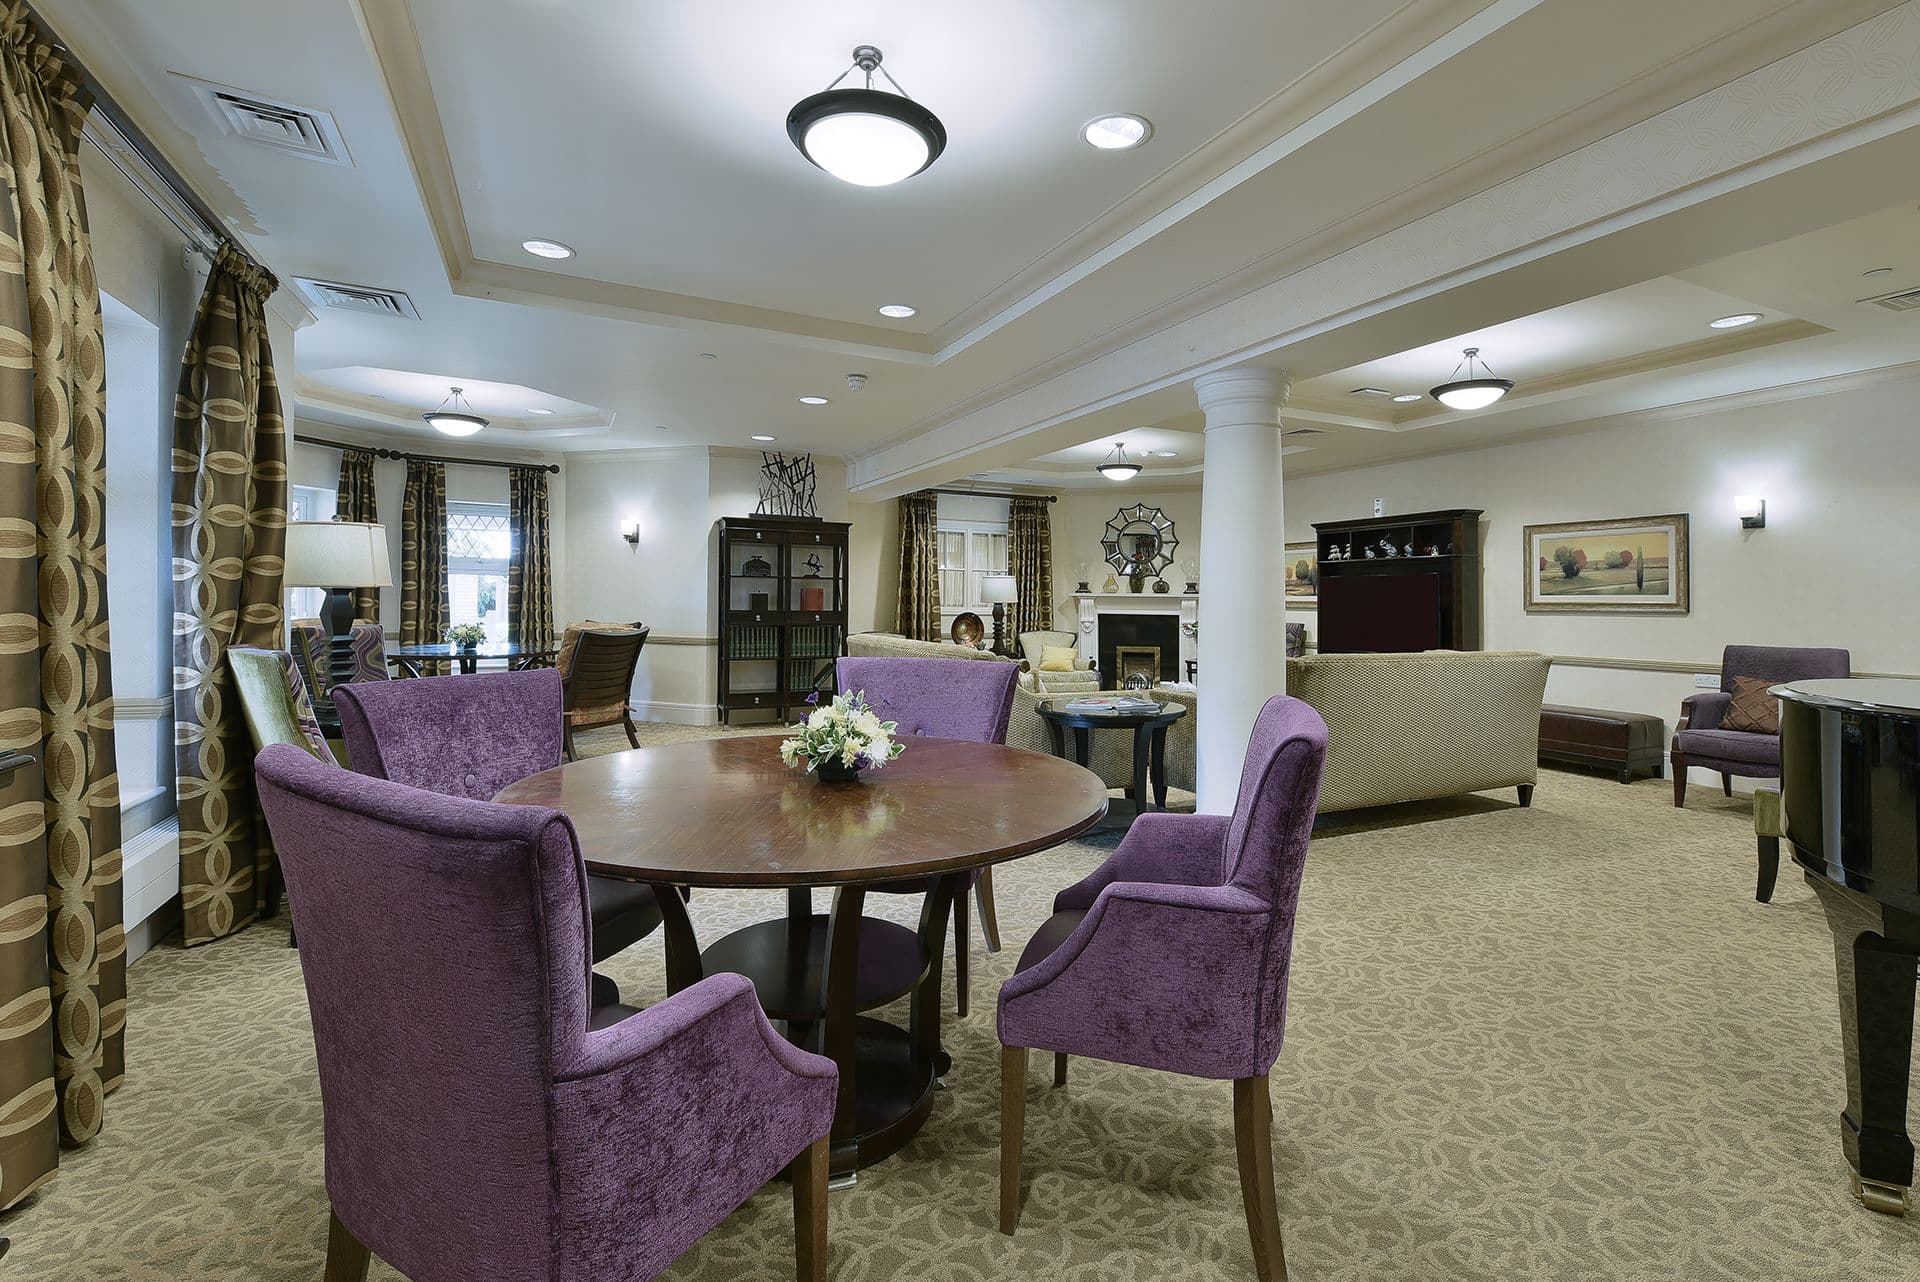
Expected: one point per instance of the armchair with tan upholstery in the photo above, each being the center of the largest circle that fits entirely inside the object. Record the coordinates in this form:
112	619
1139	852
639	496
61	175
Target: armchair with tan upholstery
597	662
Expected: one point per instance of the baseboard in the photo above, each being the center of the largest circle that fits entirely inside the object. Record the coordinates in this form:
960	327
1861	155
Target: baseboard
679	714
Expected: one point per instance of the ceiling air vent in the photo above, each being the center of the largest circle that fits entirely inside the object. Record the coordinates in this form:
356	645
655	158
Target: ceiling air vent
1304	431
1907	300
365	299
271	122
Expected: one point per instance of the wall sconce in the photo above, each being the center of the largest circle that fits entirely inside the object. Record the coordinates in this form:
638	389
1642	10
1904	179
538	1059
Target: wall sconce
1752	511
630	531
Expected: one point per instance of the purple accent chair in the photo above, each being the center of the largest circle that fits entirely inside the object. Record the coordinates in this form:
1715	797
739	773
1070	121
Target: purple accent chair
1174	955
946	700
481	1121
1699	741
471	736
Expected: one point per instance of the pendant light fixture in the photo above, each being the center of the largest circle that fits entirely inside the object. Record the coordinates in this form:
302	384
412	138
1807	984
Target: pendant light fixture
866	136
1116	466
1471	393
455	417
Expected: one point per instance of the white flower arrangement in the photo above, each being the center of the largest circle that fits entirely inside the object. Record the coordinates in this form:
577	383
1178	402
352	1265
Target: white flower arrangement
842	733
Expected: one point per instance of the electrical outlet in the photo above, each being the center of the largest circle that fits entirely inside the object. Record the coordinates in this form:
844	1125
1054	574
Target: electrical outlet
1379	507
1705	681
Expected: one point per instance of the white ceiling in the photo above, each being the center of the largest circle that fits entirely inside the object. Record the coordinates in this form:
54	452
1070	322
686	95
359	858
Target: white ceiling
651	137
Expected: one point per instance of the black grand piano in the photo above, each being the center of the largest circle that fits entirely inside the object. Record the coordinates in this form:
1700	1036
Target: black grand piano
1850	788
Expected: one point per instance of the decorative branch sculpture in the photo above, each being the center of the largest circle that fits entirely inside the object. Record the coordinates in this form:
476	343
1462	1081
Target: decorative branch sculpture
786	485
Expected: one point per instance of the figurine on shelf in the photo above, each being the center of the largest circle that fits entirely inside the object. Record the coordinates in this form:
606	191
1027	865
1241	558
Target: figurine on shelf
1192	567
756	568
1433	549
1084	587
1333	552
1371	554
1162	587
814	568
1409	551
1387	548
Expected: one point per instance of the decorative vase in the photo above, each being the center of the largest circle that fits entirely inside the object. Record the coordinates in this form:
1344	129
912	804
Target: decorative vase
468	647
835	772
1162	586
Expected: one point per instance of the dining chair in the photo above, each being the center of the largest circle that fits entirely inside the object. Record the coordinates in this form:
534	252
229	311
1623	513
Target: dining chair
471	736
596	662
368	641
480	1120
1174	955
946	700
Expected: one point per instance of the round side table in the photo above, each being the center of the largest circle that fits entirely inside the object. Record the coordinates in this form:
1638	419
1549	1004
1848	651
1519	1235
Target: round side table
1149	749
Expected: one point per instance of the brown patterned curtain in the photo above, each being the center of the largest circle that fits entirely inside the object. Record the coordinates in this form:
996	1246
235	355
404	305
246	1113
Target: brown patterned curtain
356	503
229	534
918	613
423	558
62	943
530	564
1030	558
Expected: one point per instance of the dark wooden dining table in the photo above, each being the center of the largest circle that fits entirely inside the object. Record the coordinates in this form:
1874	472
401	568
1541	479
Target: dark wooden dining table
726	813
411	658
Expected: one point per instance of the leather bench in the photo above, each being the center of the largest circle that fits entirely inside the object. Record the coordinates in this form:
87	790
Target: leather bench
1623	742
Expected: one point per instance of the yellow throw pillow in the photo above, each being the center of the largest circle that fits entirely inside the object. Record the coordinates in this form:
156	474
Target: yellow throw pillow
1057	658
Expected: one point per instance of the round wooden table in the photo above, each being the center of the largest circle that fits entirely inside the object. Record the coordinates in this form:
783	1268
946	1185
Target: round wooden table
726	813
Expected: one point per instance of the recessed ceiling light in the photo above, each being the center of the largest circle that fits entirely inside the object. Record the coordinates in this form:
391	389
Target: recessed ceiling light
547	248
543	412
813	400
1165	454
897	311
1122	131
1408	398
1734	321
763	438
1878	271
708	356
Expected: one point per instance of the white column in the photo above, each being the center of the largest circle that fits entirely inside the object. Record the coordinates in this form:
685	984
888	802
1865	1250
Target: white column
1243	615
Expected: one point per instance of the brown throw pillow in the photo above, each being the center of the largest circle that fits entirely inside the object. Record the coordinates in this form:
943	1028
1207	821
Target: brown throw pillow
1753	709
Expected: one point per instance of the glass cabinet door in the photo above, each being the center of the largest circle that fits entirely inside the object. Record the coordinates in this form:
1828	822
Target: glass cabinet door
753	575
814	574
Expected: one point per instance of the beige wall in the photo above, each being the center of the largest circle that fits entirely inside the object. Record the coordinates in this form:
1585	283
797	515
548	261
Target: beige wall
1080	520
1840	470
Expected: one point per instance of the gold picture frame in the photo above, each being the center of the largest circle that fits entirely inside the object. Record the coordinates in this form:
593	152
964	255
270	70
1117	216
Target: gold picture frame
1633	565
1302	590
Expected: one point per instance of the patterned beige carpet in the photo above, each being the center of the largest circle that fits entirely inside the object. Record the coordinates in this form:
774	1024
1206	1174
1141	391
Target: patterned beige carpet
1559	1043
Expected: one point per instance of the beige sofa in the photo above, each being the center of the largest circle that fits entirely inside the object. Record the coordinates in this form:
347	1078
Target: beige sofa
1400	727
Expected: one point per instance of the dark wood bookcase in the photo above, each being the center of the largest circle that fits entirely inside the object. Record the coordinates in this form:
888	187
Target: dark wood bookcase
782	612
1425	599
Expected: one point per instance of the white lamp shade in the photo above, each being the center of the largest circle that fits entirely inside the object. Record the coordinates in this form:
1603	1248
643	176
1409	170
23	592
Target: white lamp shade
337	554
1748	506
999	588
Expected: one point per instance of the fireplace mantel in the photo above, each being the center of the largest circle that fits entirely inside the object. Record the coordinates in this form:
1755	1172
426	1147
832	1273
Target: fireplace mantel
1094	604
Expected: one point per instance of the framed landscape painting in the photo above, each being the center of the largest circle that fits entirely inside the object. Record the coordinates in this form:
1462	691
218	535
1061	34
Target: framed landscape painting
1303	576
1636	565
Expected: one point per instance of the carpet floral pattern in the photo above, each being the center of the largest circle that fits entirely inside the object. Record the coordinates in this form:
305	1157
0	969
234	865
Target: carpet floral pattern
1559	1043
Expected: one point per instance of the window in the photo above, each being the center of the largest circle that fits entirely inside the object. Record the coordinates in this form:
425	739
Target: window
969	551
479	541
309	503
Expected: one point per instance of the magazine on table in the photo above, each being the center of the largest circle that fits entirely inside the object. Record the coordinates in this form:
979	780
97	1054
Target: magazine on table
1114	703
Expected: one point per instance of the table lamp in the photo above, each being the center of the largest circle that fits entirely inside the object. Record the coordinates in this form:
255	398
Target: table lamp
338	556
999	589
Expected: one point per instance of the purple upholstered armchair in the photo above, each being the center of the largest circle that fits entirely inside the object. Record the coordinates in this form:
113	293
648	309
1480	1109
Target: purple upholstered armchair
947	700
1699	739
471	736
1174	955
481	1121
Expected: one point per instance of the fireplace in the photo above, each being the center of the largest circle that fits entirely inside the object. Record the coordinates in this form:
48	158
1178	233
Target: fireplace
1158	630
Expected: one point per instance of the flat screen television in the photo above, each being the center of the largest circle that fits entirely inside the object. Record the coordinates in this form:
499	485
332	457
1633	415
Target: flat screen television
1379	613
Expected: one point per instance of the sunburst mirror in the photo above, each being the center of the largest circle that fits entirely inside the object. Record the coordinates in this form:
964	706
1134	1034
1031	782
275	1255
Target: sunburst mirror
1139	542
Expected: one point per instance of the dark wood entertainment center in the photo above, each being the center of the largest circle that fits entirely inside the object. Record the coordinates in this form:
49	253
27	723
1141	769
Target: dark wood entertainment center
1425	595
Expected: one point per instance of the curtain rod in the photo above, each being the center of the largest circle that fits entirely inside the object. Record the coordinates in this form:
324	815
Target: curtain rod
380	451
108	111
995	494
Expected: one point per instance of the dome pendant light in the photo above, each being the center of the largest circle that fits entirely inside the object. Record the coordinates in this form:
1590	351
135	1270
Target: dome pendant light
868	137
1116	466
451	419
1471	393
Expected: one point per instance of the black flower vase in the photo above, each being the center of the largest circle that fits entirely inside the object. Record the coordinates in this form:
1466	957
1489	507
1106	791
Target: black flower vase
835	771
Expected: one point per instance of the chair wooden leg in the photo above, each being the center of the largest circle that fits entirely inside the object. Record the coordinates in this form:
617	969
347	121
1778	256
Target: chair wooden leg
809	1172
632	738
1769	869
1013	1126
347	1259
1726	784
989	914
571	754
1059	1068
962	946
1679	764
1253	1140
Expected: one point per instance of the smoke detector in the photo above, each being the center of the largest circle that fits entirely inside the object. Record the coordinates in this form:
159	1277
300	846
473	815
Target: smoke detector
856	381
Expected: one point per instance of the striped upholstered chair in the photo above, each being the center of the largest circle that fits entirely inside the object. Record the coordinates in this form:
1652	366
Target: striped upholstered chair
369	644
